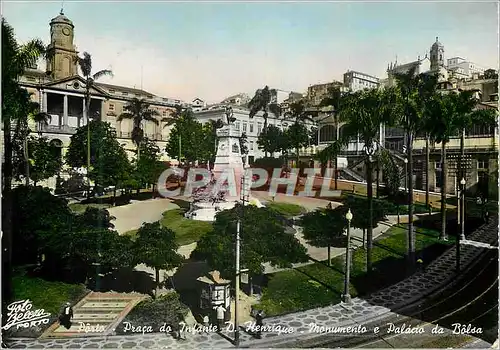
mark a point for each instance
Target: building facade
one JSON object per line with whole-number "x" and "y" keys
{"x": 60, "y": 92}
{"x": 356, "y": 81}
{"x": 252, "y": 127}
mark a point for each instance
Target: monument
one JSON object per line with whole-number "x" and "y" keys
{"x": 224, "y": 190}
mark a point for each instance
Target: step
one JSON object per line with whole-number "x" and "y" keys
{"x": 104, "y": 305}
{"x": 94, "y": 316}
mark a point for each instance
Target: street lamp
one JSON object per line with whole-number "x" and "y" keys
{"x": 347, "y": 296}
{"x": 462, "y": 209}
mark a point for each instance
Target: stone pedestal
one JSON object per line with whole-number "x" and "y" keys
{"x": 229, "y": 156}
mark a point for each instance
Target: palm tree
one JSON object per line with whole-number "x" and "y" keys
{"x": 444, "y": 127}
{"x": 408, "y": 85}
{"x": 15, "y": 60}
{"x": 85, "y": 64}
{"x": 333, "y": 100}
{"x": 363, "y": 112}
{"x": 28, "y": 109}
{"x": 138, "y": 110}
{"x": 300, "y": 118}
{"x": 427, "y": 90}
{"x": 468, "y": 114}
{"x": 262, "y": 102}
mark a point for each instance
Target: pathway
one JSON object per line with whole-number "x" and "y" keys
{"x": 436, "y": 276}
{"x": 133, "y": 215}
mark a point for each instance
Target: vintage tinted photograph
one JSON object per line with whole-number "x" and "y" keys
{"x": 238, "y": 174}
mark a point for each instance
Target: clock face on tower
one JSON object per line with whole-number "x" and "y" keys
{"x": 66, "y": 31}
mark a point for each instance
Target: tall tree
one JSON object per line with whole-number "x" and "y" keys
{"x": 490, "y": 74}
{"x": 263, "y": 239}
{"x": 427, "y": 89}
{"x": 27, "y": 110}
{"x": 16, "y": 59}
{"x": 148, "y": 167}
{"x": 156, "y": 247}
{"x": 85, "y": 64}
{"x": 442, "y": 108}
{"x": 184, "y": 139}
{"x": 44, "y": 158}
{"x": 298, "y": 134}
{"x": 140, "y": 112}
{"x": 109, "y": 165}
{"x": 363, "y": 112}
{"x": 333, "y": 99}
{"x": 262, "y": 101}
{"x": 408, "y": 87}
{"x": 325, "y": 228}
{"x": 296, "y": 137}
{"x": 272, "y": 140}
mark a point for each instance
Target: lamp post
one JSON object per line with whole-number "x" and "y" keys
{"x": 462, "y": 209}
{"x": 347, "y": 296}
{"x": 237, "y": 287}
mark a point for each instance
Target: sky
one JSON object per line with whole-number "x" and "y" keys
{"x": 211, "y": 50}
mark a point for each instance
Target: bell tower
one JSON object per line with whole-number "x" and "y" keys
{"x": 61, "y": 51}
{"x": 437, "y": 55}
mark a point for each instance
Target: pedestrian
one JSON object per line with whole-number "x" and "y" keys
{"x": 182, "y": 326}
{"x": 487, "y": 216}
{"x": 206, "y": 323}
{"x": 420, "y": 265}
{"x": 66, "y": 316}
{"x": 220, "y": 317}
{"x": 259, "y": 323}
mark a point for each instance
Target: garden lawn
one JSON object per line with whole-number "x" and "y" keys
{"x": 319, "y": 285}
{"x": 47, "y": 295}
{"x": 187, "y": 231}
{"x": 286, "y": 209}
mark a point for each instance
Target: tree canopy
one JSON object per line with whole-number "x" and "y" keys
{"x": 263, "y": 239}
{"x": 109, "y": 162}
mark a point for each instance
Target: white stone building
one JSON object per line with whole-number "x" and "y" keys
{"x": 252, "y": 127}
{"x": 356, "y": 81}
{"x": 464, "y": 67}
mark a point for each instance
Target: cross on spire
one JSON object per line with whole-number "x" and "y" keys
{"x": 62, "y": 8}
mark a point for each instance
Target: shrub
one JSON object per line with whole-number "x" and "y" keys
{"x": 165, "y": 309}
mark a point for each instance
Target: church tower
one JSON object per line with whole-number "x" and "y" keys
{"x": 437, "y": 55}
{"x": 61, "y": 50}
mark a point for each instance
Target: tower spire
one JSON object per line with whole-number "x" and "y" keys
{"x": 62, "y": 8}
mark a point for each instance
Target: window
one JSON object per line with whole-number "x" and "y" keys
{"x": 244, "y": 127}
{"x": 438, "y": 165}
{"x": 31, "y": 79}
{"x": 237, "y": 125}
{"x": 251, "y": 145}
{"x": 124, "y": 93}
{"x": 482, "y": 164}
{"x": 111, "y": 91}
{"x": 150, "y": 96}
{"x": 259, "y": 128}
{"x": 111, "y": 107}
{"x": 251, "y": 127}
{"x": 164, "y": 113}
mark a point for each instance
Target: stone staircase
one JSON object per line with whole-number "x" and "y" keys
{"x": 97, "y": 314}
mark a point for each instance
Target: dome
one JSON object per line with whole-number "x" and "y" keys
{"x": 437, "y": 43}
{"x": 61, "y": 18}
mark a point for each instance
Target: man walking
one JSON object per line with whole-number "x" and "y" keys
{"x": 220, "y": 317}
{"x": 259, "y": 323}
{"x": 66, "y": 316}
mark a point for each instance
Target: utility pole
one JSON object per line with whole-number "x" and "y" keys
{"x": 244, "y": 193}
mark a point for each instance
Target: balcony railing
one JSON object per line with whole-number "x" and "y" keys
{"x": 56, "y": 129}
{"x": 153, "y": 137}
